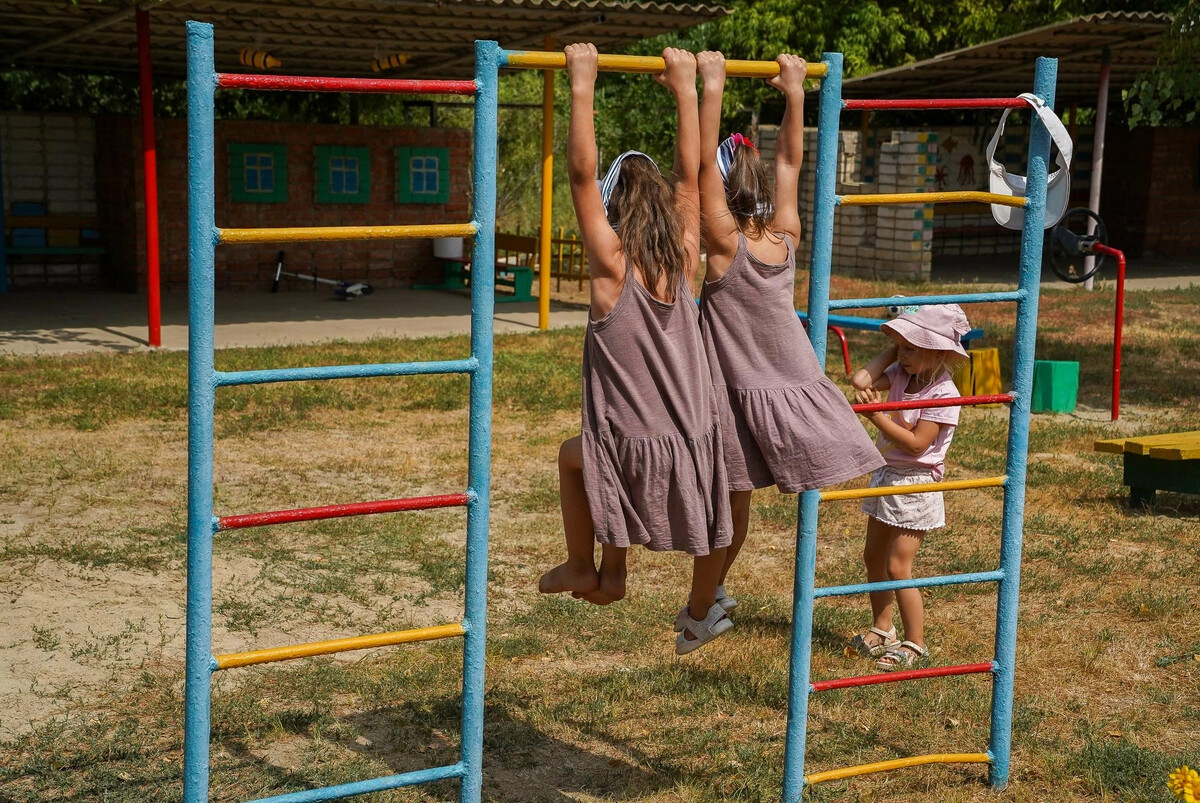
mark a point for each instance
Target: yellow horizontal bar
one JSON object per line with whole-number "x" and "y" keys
{"x": 322, "y": 233}
{"x": 734, "y": 68}
{"x": 880, "y": 199}
{"x": 903, "y": 490}
{"x": 236, "y": 659}
{"x": 897, "y": 763}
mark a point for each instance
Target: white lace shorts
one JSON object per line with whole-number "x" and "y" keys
{"x": 923, "y": 511}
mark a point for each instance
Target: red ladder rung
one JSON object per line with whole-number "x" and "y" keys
{"x": 340, "y": 511}
{"x": 934, "y": 103}
{"x": 894, "y": 677}
{"x": 921, "y": 404}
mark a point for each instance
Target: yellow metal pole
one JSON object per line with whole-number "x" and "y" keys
{"x": 547, "y": 193}
{"x": 734, "y": 68}
{"x": 911, "y": 761}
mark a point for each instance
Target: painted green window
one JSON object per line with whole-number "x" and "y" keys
{"x": 343, "y": 175}
{"x": 258, "y": 172}
{"x": 422, "y": 175}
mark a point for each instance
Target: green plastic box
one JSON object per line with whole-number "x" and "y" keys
{"x": 1055, "y": 385}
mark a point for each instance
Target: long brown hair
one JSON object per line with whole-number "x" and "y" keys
{"x": 749, "y": 194}
{"x": 643, "y": 213}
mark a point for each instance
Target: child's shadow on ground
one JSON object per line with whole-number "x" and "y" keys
{"x": 520, "y": 763}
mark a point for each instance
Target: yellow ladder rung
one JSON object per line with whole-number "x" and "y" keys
{"x": 309, "y": 234}
{"x": 236, "y": 659}
{"x": 880, "y": 199}
{"x": 904, "y": 490}
{"x": 897, "y": 763}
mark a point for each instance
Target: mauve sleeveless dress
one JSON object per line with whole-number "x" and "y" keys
{"x": 785, "y": 423}
{"x": 653, "y": 466}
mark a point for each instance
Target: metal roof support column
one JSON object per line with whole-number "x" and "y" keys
{"x": 1098, "y": 155}
{"x": 149, "y": 178}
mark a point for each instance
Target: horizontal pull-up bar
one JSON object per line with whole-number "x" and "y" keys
{"x": 734, "y": 68}
{"x": 225, "y": 379}
{"x": 312, "y": 83}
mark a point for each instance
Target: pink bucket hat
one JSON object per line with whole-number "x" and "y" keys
{"x": 938, "y": 327}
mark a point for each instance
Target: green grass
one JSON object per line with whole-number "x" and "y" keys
{"x": 582, "y": 702}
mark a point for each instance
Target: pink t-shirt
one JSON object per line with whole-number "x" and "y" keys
{"x": 933, "y": 458}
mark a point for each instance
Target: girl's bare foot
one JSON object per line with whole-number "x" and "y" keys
{"x": 566, "y": 577}
{"x": 612, "y": 578}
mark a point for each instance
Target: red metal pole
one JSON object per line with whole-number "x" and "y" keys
{"x": 149, "y": 178}
{"x": 1119, "y": 324}
{"x": 310, "y": 83}
{"x": 837, "y": 330}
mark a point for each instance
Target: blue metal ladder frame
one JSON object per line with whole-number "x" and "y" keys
{"x": 203, "y": 380}
{"x": 1009, "y": 573}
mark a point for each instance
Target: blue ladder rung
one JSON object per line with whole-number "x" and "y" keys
{"x": 873, "y": 324}
{"x": 230, "y": 378}
{"x": 916, "y": 582}
{"x": 906, "y": 301}
{"x": 366, "y": 787}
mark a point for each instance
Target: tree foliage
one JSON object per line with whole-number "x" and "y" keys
{"x": 1170, "y": 95}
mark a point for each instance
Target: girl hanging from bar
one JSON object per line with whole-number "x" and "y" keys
{"x": 648, "y": 467}
{"x": 784, "y": 422}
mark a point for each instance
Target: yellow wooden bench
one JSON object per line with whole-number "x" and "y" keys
{"x": 1169, "y": 462}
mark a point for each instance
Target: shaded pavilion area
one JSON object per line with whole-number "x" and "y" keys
{"x": 318, "y": 37}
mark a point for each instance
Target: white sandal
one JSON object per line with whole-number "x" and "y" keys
{"x": 714, "y": 624}
{"x": 905, "y": 656}
{"x": 724, "y": 600}
{"x": 888, "y": 642}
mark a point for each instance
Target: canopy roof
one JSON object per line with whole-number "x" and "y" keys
{"x": 324, "y": 37}
{"x": 1004, "y": 67}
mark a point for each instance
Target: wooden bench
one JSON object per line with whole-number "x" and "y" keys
{"x": 1169, "y": 462}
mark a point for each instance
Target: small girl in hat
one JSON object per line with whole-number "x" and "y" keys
{"x": 647, "y": 468}
{"x": 914, "y": 444}
{"x": 783, "y": 420}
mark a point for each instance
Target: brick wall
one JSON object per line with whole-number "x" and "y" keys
{"x": 1150, "y": 199}
{"x": 877, "y": 241}
{"x": 395, "y": 263}
{"x": 1171, "y": 223}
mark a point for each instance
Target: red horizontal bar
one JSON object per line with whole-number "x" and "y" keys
{"x": 921, "y": 404}
{"x": 310, "y": 83}
{"x": 935, "y": 103}
{"x": 894, "y": 677}
{"x": 340, "y": 511}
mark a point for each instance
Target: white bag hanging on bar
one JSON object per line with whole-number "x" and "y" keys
{"x": 1058, "y": 184}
